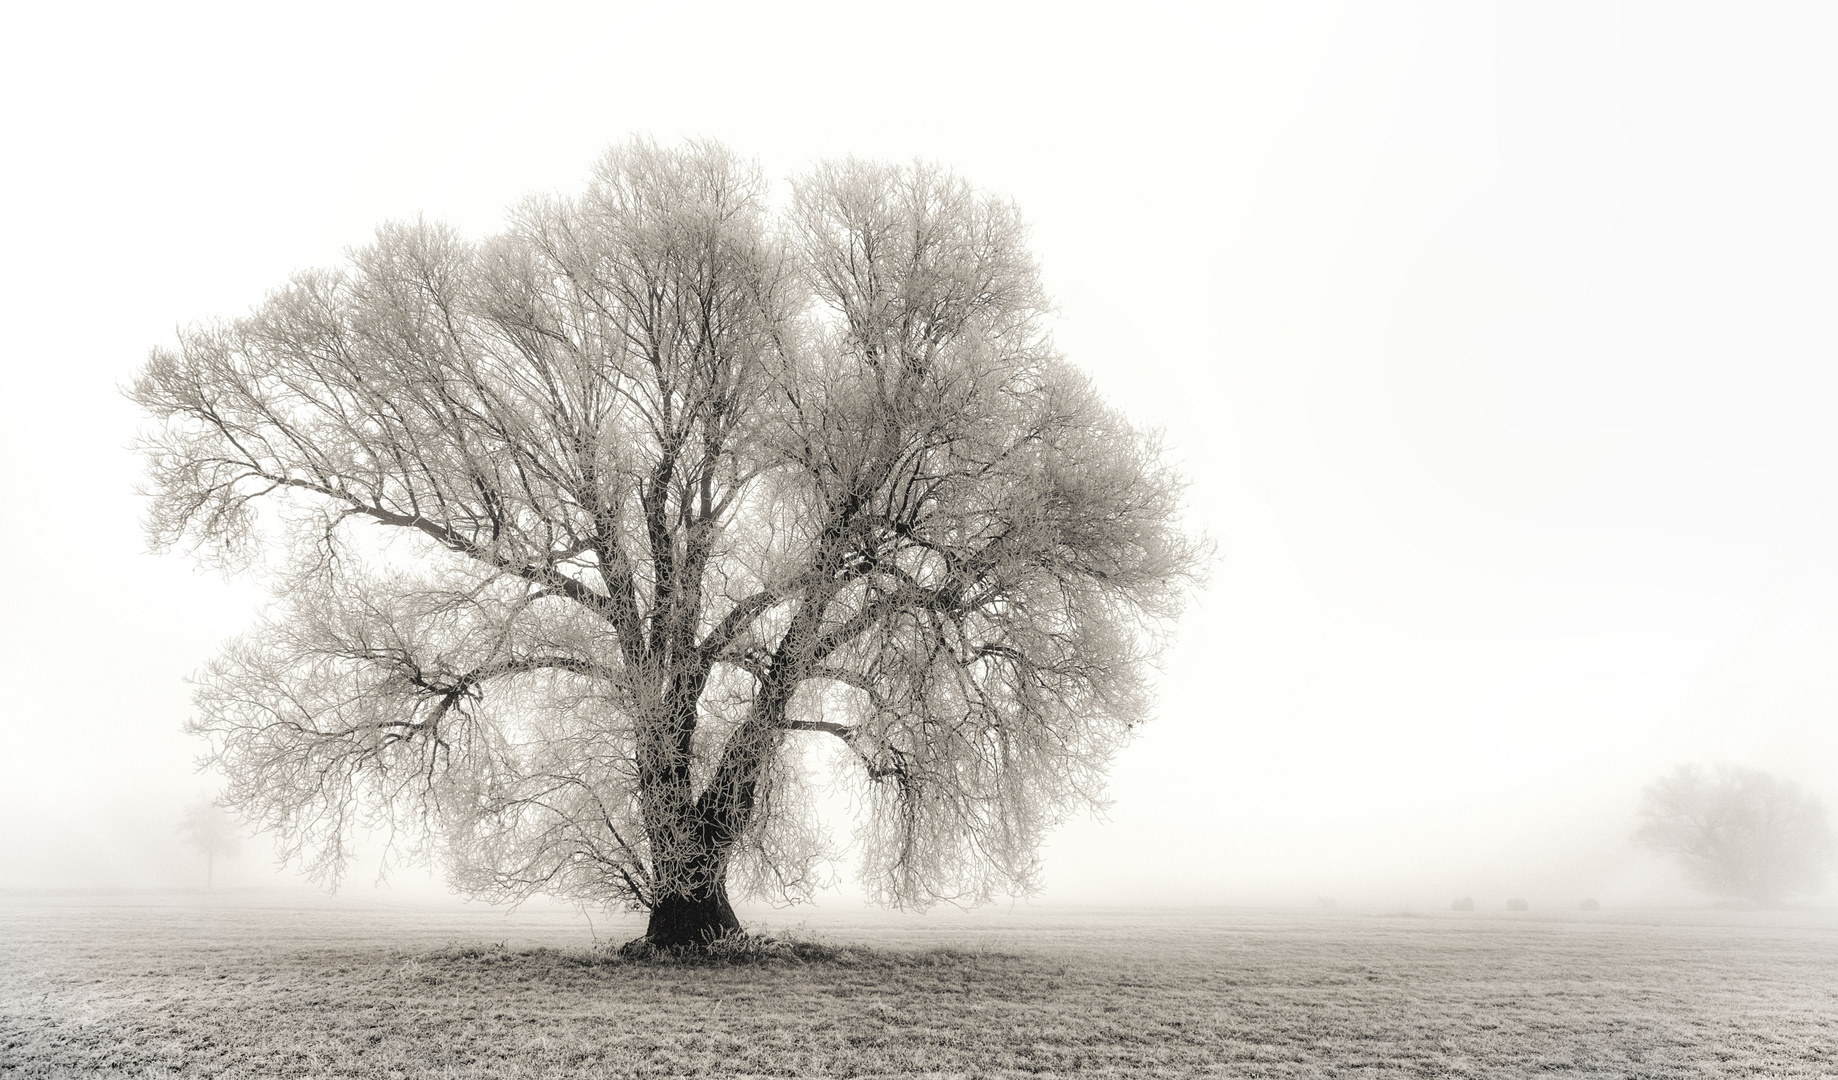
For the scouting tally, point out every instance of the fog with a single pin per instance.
(1495, 342)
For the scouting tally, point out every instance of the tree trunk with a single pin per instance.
(693, 920)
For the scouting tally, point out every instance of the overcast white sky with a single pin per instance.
(1497, 342)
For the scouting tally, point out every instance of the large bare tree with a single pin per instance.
(581, 533)
(1738, 832)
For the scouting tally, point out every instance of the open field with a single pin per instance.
(255, 985)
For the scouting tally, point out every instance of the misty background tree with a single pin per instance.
(210, 832)
(1739, 832)
(582, 532)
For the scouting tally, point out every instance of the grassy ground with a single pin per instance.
(255, 987)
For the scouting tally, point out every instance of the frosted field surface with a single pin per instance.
(298, 985)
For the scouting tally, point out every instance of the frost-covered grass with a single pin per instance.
(248, 986)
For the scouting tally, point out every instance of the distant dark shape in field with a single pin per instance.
(210, 832)
(1589, 905)
(583, 530)
(1326, 903)
(1518, 903)
(1739, 833)
(1466, 903)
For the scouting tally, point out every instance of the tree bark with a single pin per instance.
(692, 920)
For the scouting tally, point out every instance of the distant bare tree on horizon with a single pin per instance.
(584, 528)
(1739, 832)
(210, 832)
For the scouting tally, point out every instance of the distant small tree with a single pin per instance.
(210, 832)
(1739, 832)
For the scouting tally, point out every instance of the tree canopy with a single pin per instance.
(579, 530)
(1739, 832)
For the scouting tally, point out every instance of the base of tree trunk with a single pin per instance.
(679, 922)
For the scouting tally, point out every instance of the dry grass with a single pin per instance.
(240, 987)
